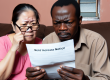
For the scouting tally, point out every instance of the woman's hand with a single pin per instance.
(35, 73)
(69, 73)
(16, 41)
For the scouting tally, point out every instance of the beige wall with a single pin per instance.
(44, 6)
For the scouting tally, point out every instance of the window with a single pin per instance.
(89, 9)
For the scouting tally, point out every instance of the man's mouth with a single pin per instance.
(63, 34)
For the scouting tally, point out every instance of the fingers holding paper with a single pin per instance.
(35, 73)
(69, 73)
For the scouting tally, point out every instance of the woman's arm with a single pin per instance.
(6, 65)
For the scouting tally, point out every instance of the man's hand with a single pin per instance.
(69, 73)
(35, 73)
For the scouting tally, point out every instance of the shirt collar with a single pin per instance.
(82, 39)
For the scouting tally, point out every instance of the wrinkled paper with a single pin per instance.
(51, 56)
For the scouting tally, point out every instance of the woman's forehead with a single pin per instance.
(28, 15)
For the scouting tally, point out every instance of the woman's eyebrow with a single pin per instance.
(26, 21)
(33, 20)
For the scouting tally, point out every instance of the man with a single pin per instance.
(91, 57)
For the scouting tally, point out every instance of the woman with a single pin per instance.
(14, 59)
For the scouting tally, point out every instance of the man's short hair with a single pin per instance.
(62, 3)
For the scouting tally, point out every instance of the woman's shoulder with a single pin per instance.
(11, 37)
(5, 44)
(6, 38)
(38, 41)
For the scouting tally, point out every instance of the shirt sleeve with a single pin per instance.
(101, 64)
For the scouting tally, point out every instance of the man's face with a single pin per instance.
(65, 22)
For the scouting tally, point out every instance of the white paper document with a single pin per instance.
(51, 56)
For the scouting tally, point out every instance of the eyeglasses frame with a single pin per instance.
(27, 28)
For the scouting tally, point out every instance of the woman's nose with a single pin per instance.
(29, 29)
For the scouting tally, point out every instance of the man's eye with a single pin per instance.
(69, 23)
(57, 23)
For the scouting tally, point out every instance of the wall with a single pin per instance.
(44, 6)
(104, 12)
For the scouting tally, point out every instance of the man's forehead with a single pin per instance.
(62, 17)
(64, 11)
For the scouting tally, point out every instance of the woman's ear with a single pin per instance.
(13, 26)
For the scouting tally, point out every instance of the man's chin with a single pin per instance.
(64, 39)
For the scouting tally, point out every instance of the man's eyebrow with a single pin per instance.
(67, 20)
(57, 20)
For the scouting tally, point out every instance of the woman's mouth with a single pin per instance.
(29, 36)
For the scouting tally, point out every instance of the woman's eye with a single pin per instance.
(34, 23)
(23, 24)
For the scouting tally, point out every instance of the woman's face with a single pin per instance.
(27, 18)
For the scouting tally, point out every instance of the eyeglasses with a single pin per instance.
(24, 28)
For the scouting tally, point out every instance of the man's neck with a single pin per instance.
(76, 37)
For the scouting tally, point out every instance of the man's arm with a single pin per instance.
(100, 64)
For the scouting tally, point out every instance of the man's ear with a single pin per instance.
(13, 26)
(80, 20)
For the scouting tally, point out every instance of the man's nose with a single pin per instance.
(63, 27)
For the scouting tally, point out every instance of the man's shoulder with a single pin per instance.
(90, 33)
(93, 36)
(51, 35)
(51, 38)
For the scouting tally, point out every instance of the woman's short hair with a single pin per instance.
(21, 8)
